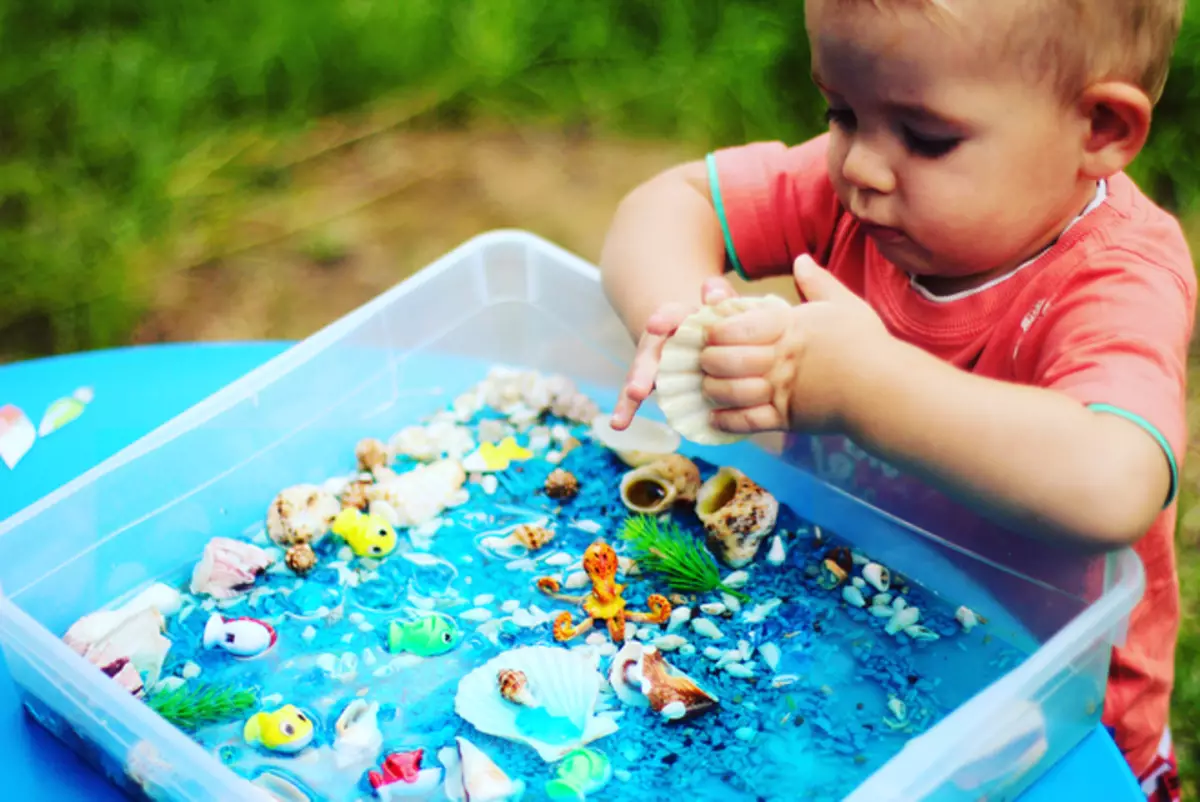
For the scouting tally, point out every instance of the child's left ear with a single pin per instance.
(1117, 116)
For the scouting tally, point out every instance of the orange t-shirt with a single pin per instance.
(1104, 316)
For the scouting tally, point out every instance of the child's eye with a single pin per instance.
(842, 118)
(927, 146)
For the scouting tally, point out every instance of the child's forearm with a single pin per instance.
(663, 243)
(1037, 459)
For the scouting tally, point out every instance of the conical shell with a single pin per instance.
(641, 443)
(472, 776)
(565, 683)
(737, 514)
(678, 385)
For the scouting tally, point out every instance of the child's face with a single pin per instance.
(961, 167)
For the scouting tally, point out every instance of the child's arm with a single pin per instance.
(1036, 458)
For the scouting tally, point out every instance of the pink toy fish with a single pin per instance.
(16, 435)
(241, 637)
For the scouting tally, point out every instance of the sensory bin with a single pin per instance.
(401, 632)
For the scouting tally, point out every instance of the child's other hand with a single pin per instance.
(777, 369)
(662, 324)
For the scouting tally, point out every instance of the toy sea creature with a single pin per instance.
(737, 514)
(604, 602)
(642, 677)
(641, 443)
(666, 550)
(561, 485)
(301, 514)
(496, 457)
(565, 686)
(403, 778)
(228, 568)
(656, 486)
(582, 772)
(429, 635)
(679, 381)
(65, 410)
(16, 435)
(368, 535)
(192, 706)
(472, 776)
(285, 730)
(419, 495)
(358, 738)
(242, 637)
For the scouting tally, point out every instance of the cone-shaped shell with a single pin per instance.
(472, 776)
(737, 513)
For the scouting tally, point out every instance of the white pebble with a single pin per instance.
(525, 619)
(713, 653)
(366, 626)
(747, 651)
(309, 633)
(348, 637)
(170, 683)
(345, 554)
(712, 608)
(669, 643)
(554, 457)
(477, 614)
(190, 670)
(739, 670)
(596, 638)
(707, 629)
(853, 596)
(674, 710)
(759, 613)
(483, 598)
(770, 655)
(607, 649)
(368, 657)
(577, 580)
(731, 603)
(737, 579)
(730, 656)
(778, 554)
(784, 680)
(745, 733)
(622, 775)
(858, 582)
(489, 484)
(687, 650)
(559, 559)
(591, 527)
(679, 617)
(510, 606)
(646, 633)
(356, 618)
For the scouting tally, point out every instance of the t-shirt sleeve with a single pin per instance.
(1116, 340)
(774, 203)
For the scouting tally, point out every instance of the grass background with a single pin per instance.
(128, 124)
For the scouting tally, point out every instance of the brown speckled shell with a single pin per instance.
(371, 454)
(355, 495)
(666, 688)
(736, 527)
(513, 685)
(301, 558)
(301, 514)
(561, 484)
(533, 537)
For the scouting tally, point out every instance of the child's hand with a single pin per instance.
(774, 369)
(662, 324)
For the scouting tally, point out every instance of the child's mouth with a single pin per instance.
(885, 235)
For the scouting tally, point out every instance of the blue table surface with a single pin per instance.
(137, 389)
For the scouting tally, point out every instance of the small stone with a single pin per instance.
(477, 614)
(745, 733)
(736, 580)
(596, 638)
(366, 626)
(309, 633)
(687, 650)
(345, 554)
(489, 484)
(190, 670)
(707, 629)
(483, 598)
(622, 775)
(607, 649)
(561, 484)
(510, 606)
(679, 617)
(356, 618)
(770, 655)
(740, 671)
(713, 653)
(669, 643)
(731, 603)
(577, 580)
(524, 564)
(558, 560)
(712, 608)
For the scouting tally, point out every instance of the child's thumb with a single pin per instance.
(815, 283)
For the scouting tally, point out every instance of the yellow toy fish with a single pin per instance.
(367, 534)
(285, 730)
(491, 457)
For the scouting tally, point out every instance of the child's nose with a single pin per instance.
(866, 168)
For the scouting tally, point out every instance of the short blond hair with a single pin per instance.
(1076, 42)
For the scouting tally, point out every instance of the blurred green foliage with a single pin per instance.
(103, 100)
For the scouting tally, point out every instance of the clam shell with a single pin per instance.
(737, 513)
(678, 385)
(565, 682)
(358, 737)
(641, 443)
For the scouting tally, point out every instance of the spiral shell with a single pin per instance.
(737, 513)
(533, 537)
(514, 686)
(301, 559)
(679, 381)
(561, 484)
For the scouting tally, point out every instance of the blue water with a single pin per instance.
(815, 738)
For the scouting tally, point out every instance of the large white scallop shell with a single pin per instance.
(641, 443)
(678, 386)
(566, 685)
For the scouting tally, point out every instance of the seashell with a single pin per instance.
(712, 608)
(729, 656)
(640, 676)
(918, 632)
(514, 686)
(853, 596)
(759, 612)
(745, 649)
(882, 610)
(134, 647)
(878, 576)
(669, 643)
(737, 514)
(899, 603)
(735, 580)
(679, 381)
(881, 599)
(524, 538)
(740, 671)
(93, 628)
(968, 618)
(778, 554)
(565, 682)
(903, 619)
(358, 738)
(770, 655)
(371, 454)
(706, 628)
(561, 485)
(731, 603)
(301, 514)
(472, 776)
(831, 575)
(679, 617)
(301, 559)
(713, 653)
(419, 495)
(228, 568)
(899, 712)
(641, 443)
(654, 487)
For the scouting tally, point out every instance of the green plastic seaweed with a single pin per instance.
(667, 550)
(189, 707)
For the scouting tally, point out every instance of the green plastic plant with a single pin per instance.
(189, 707)
(667, 550)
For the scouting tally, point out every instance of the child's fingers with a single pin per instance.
(749, 328)
(732, 362)
(748, 420)
(715, 290)
(738, 393)
(639, 381)
(666, 319)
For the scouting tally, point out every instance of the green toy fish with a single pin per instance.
(428, 636)
(367, 534)
(582, 772)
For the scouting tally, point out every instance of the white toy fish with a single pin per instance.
(16, 435)
(241, 637)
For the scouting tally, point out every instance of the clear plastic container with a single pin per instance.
(507, 297)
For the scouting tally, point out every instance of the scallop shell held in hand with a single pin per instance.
(678, 385)
(566, 686)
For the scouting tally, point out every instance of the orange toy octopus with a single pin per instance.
(604, 602)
